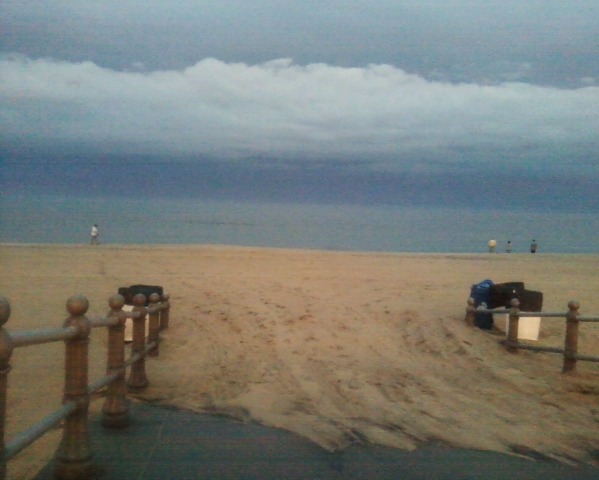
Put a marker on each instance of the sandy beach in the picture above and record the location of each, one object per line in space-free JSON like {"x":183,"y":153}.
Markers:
{"x":339,"y":347}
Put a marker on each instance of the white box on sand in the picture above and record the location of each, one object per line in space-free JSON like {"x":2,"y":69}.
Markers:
{"x":528,"y":327}
{"x":129,"y":324}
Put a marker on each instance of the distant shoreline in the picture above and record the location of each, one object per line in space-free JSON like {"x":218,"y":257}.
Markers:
{"x":220,"y":247}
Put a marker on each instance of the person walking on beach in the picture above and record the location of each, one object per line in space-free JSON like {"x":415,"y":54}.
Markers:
{"x":94,"y":236}
{"x":533,"y":246}
{"x":492,"y":244}
{"x":508,"y":247}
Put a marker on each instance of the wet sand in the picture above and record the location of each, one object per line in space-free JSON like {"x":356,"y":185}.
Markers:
{"x":339,"y":347}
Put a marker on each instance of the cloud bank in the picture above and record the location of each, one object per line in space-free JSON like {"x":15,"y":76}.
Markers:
{"x":379,"y":114}
{"x":546,"y":42}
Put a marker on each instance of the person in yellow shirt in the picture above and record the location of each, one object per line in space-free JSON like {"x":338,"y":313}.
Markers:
{"x":492,"y":244}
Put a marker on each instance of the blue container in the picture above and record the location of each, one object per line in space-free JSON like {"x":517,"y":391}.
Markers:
{"x":481,"y":293}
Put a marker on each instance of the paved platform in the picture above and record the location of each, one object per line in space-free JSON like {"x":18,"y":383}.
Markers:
{"x":169,"y":444}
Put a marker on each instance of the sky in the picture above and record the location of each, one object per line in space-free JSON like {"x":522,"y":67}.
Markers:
{"x":420,"y":102}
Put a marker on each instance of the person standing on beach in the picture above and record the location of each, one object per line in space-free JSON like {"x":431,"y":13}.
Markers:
{"x":508,"y":247}
{"x":533,"y":246}
{"x":94,"y":236}
{"x":492,"y":244}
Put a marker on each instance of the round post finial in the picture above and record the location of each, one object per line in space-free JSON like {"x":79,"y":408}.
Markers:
{"x":154,"y":298}
{"x":139,"y":300}
{"x":514,"y":303}
{"x":573,"y":305}
{"x":116,"y":302}
{"x":77,"y":305}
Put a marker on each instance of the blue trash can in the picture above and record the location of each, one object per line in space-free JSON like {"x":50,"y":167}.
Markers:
{"x":481,"y":293}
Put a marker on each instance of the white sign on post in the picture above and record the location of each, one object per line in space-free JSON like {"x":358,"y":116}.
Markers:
{"x":528,"y":327}
{"x":129,"y":324}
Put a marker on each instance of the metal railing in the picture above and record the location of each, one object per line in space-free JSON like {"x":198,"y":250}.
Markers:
{"x":512,"y":344}
{"x":73,"y":458}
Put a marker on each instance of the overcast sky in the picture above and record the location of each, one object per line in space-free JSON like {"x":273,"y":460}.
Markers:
{"x":415,"y":87}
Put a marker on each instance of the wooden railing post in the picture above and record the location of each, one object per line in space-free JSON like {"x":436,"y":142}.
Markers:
{"x":470,"y":309}
{"x":137,"y":376}
{"x":571,"y":341}
{"x":116,"y":406}
{"x":512,"y":336}
{"x":5,"y":354}
{"x":153,"y":335}
{"x":74,"y":456}
{"x":165,"y":312}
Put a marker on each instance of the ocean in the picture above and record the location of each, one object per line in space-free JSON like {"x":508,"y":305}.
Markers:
{"x":382,"y":228}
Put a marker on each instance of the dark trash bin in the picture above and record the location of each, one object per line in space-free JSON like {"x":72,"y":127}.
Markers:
{"x":481,"y":293}
{"x":501,"y":294}
{"x":531,"y":301}
{"x":129,"y":292}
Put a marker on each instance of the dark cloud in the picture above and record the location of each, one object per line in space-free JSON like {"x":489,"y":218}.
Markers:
{"x":58,"y":171}
{"x":459,"y":40}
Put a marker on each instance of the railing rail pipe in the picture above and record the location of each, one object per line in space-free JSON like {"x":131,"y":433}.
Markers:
{"x":107,"y":321}
{"x":28,"y":436}
{"x":588,"y":358}
{"x":25,"y":338}
{"x":134,"y":358}
{"x":538,"y":348}
{"x":102,"y":382}
{"x":544,"y":314}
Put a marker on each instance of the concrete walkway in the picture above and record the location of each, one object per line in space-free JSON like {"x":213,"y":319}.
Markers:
{"x":168,"y":444}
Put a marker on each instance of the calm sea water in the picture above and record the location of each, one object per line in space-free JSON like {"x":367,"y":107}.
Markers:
{"x":55,"y":219}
